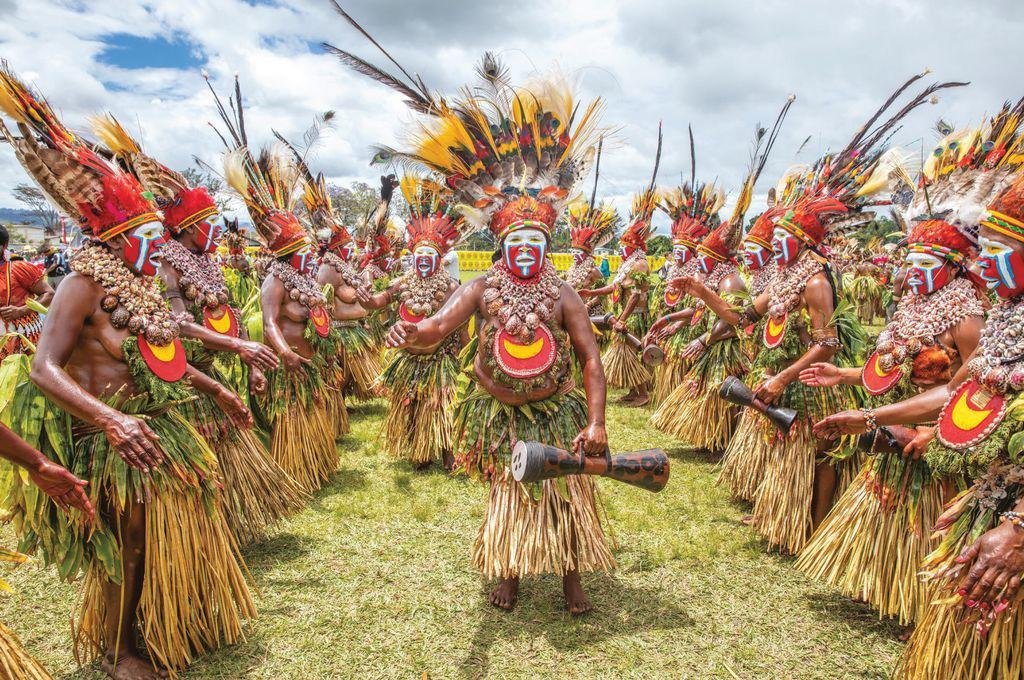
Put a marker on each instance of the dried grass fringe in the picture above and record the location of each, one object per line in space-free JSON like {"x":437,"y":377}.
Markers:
{"x":667,"y":377}
{"x":523,"y":536}
{"x":337,"y":411}
{"x":15,"y":662}
{"x":945,"y":645}
{"x":622,"y":365}
{"x":302,"y":441}
{"x":872,"y":553}
{"x":782,"y":506}
{"x":695,"y":414}
{"x":418,"y":425}
{"x":195,"y":597}
{"x":362,"y":366}
{"x":747,"y":455}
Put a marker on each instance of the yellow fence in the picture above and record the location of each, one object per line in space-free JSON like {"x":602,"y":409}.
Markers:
{"x":480,"y":260}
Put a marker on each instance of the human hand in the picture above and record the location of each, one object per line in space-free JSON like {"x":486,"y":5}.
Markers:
{"x":257,"y":355}
{"x":917,"y":446}
{"x":234,"y":408}
{"x":134,"y":441}
{"x":293,"y":361}
{"x":402,"y":334}
{"x":770,"y":390}
{"x":257,"y":381}
{"x":821,"y":374}
{"x":998,"y":557}
{"x":838,"y":424}
{"x":65,"y":489}
{"x":593,"y":439}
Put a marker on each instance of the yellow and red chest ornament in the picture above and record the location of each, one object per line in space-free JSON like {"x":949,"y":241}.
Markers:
{"x":320,"y":320}
{"x":420,"y":296}
{"x":970,"y":416}
{"x":221,"y":319}
{"x":406,"y":315}
{"x":525,"y":360}
{"x":774,"y":331}
{"x":877,"y":380}
{"x":167,"y":362}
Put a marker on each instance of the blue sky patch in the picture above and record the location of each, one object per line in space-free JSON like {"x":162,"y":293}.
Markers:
{"x":129,"y":51}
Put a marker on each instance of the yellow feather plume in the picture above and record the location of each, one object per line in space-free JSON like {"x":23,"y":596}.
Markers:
{"x":113,"y":135}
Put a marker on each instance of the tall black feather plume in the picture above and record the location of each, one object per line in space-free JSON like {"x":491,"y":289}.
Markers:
{"x":693,"y":165}
{"x":657,"y":161}
{"x":413,"y":98}
{"x":597,"y":172}
{"x":871,"y":121}
{"x":910,"y":106}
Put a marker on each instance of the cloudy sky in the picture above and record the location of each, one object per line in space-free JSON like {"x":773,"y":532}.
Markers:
{"x":720,"y":65}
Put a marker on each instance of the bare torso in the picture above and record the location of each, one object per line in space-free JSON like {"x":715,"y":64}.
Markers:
{"x":291,"y":316}
{"x":344,"y":307}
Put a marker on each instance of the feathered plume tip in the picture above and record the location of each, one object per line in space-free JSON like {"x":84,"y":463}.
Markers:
{"x":99,"y":195}
{"x":694,"y":212}
{"x":590,"y":226}
{"x":434,"y":220}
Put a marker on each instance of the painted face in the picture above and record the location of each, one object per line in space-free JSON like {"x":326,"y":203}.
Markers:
{"x":755,"y":256}
{"x":347,"y":251}
{"x":1002,"y":267}
{"x":523,"y":251}
{"x":927,"y":273}
{"x":208,"y":235}
{"x":303,"y":260}
{"x":426,"y":259}
{"x":705,"y":262}
{"x":626,"y":251}
{"x":681,"y":254}
{"x":578,"y":256}
{"x":785,"y":246}
{"x":142,"y":246}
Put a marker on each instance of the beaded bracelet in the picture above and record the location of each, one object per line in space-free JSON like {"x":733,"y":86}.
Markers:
{"x":869,"y":418}
{"x":1014,"y":518}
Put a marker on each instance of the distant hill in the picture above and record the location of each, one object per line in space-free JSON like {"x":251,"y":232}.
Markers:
{"x":19,"y":216}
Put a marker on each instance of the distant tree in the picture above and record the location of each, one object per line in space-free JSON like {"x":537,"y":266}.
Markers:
{"x":199,"y":176}
{"x":659,"y":245}
{"x":33,"y":197}
{"x":353,"y":202}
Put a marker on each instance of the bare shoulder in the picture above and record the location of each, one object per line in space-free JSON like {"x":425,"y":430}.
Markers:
{"x":819,"y":284}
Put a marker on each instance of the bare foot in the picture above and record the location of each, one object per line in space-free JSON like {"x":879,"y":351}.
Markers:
{"x":506,"y":594}
{"x":640,"y":400}
{"x":627,"y":397}
{"x":907,"y":632}
{"x":748,"y":520}
{"x":420,"y":467}
{"x":131,"y":667}
{"x":575,"y":599}
{"x":448,"y":460}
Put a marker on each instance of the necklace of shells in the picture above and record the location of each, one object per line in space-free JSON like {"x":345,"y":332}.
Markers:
{"x":200,"y":279}
{"x":343,"y":267}
{"x":579,"y":273}
{"x":424,"y":296}
{"x":627,"y":266}
{"x":721,"y":271}
{"x":301,"y":288}
{"x":762,"y":278}
{"x":919,"y":319}
{"x":998,"y":363}
{"x":521,"y":305}
{"x":133,"y":302}
{"x":789,"y":284}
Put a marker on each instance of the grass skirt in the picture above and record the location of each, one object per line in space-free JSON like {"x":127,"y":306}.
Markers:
{"x":747,"y":455}
{"x":337,"y":411}
{"x":360,"y":359}
{"x":872,"y":551}
{"x":302,"y":434}
{"x":670,"y":373}
{"x":418,"y":426}
{"x":257,"y":492}
{"x":15,"y":662}
{"x":552,"y":526}
{"x":945,"y":645}
{"x":622,"y":365}
{"x":782,"y":505}
{"x":693,"y":412}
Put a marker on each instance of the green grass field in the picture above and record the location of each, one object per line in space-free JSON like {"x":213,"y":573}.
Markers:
{"x":373,"y":580}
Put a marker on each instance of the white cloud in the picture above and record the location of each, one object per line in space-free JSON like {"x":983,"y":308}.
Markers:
{"x":719,"y":66}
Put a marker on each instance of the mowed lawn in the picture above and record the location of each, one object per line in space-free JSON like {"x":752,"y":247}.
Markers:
{"x":373,"y":580}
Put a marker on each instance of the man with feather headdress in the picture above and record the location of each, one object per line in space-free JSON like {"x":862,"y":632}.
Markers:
{"x":512,"y":156}
{"x":160,"y":564}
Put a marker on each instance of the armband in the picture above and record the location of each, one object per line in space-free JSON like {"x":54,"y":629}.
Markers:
{"x":825,"y":337}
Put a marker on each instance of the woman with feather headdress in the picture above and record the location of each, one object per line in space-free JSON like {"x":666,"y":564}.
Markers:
{"x":590,"y":227}
{"x":421,"y":380}
{"x":257,"y":491}
{"x":693,"y":412}
{"x":296,"y":320}
{"x":161,"y":566}
{"x":802,"y":323}
{"x":512,"y":156}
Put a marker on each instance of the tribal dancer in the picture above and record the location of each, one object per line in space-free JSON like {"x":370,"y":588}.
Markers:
{"x":629,"y":292}
{"x":67,"y":492}
{"x":513,"y":158}
{"x":590,"y":226}
{"x":874,"y":540}
{"x":693,"y":412}
{"x":421,"y":381}
{"x":20,"y":281}
{"x":257,"y":491}
{"x":161,"y":564}
{"x":296,"y":322}
{"x":689,"y":211}
{"x":802,"y":324}
{"x":973,"y":625}
{"x":360,"y":333}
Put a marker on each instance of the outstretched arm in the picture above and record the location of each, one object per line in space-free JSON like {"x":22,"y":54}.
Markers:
{"x":455,"y":312}
{"x":722,"y":309}
{"x":367,"y":300}
{"x":272,"y":296}
{"x":594,"y":438}
{"x":64,"y":488}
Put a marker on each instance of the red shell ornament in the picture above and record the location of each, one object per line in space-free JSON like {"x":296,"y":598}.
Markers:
{"x":321,"y":321}
{"x":221,"y":320}
{"x":876,"y":379}
{"x":774,"y":331}
{"x":525,"y":360}
{"x":166,"y":362}
{"x":405,"y":315}
{"x":970,"y":415}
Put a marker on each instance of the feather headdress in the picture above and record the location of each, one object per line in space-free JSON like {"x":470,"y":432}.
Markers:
{"x":963,"y":176}
{"x":638,"y":230}
{"x":433,"y":219}
{"x":512,"y":154}
{"x":104,"y":199}
{"x":721,"y":243}
{"x":839,"y":188}
{"x":183,"y":206}
{"x":267,"y":184}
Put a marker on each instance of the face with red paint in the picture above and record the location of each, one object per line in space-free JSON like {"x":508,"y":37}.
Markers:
{"x":302,"y":260}
{"x":523,"y":251}
{"x":927,"y":273}
{"x":705,"y":262}
{"x":579,"y":256}
{"x":141,"y":247}
{"x":426,"y":260}
{"x":681,"y":254}
{"x":208,"y":235}
{"x":1001,"y":263}
{"x":785,"y":246}
{"x":755,"y":256}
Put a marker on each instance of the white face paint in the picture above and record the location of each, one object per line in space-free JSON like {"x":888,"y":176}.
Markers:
{"x":426,"y":259}
{"x":524,"y":251}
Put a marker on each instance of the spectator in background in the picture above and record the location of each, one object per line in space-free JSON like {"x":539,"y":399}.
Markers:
{"x":19,"y":280}
{"x":56,"y":264}
{"x":604,"y":267}
{"x":451,"y":263}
